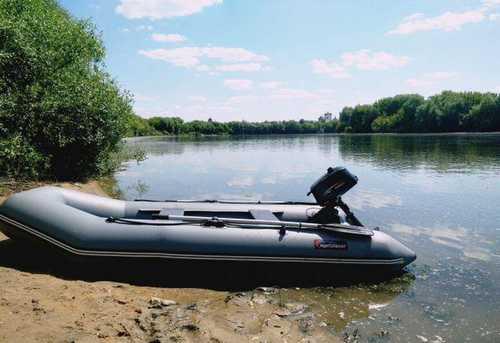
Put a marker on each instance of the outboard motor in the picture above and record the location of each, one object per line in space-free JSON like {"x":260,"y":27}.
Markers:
{"x":336,"y":182}
{"x":329,"y":188}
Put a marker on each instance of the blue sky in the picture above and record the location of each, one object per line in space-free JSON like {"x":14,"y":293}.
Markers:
{"x":287,"y":59}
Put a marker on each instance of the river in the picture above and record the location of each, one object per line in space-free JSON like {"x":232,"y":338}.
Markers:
{"x":438,"y":194}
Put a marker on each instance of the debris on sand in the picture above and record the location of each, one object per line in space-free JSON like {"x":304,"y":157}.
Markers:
{"x":159,"y":303}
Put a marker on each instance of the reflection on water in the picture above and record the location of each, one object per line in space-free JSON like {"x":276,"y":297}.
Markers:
{"x":458,"y":238}
{"x":439,"y":194}
{"x":372,"y":199}
{"x":460,"y":153}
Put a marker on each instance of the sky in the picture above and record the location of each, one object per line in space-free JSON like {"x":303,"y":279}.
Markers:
{"x":259,"y":60}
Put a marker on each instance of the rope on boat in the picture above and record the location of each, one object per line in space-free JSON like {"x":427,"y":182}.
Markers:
{"x":235,"y":202}
{"x":139,"y":222}
{"x":245,"y":223}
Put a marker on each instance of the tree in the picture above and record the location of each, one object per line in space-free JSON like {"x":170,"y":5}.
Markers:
{"x":445,"y":112}
{"x":397,"y":114}
{"x":426,"y":117}
{"x":56,"y":100}
{"x":486,"y":115}
{"x":137,"y":126}
{"x":345,"y":118}
{"x":362,"y":117}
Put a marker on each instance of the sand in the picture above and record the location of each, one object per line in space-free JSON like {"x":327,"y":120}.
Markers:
{"x":46,"y":298}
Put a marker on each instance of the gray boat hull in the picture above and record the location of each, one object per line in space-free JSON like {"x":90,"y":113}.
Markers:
{"x":77,"y":223}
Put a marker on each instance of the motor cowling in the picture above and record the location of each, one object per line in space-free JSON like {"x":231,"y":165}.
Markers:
{"x":329,"y":187}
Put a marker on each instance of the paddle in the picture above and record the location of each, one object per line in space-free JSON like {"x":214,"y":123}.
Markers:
{"x":218,"y":221}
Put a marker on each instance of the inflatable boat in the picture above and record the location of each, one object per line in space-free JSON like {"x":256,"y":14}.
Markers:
{"x":301,"y":233}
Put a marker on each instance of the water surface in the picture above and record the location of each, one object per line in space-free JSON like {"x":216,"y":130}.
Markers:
{"x":439,"y":194}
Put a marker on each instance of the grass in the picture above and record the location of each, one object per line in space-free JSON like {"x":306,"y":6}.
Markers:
{"x":9,"y":186}
{"x":110,"y":186}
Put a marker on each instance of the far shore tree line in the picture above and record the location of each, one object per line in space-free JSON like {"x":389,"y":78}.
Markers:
{"x":408,"y":113}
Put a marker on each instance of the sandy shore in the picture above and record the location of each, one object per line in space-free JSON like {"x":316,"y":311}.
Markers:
{"x":45,"y":298}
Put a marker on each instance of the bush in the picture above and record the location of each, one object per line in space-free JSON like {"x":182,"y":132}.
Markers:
{"x":19,"y":159}
{"x":124,"y":153}
{"x":56,"y":100}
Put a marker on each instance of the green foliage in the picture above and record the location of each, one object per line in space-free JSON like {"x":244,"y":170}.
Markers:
{"x":345,"y":119}
{"x":384,"y":123}
{"x":167,"y":125}
{"x":362,"y":117}
{"x":396,"y":114}
{"x":55,"y":97}
{"x":445,"y":112}
{"x":123,"y":154}
{"x":19,"y":159}
{"x":176,"y":126}
{"x":137,"y":126}
{"x":484,"y":115}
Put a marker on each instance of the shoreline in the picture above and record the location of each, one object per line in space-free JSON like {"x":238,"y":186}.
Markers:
{"x":412,"y":134}
{"x":46,"y":298}
{"x":105,"y":186}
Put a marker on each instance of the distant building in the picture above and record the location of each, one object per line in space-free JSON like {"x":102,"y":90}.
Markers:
{"x":326,"y":117}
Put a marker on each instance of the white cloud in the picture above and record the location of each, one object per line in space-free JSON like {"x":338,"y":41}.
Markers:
{"x":233,"y":54}
{"x":448,"y":21}
{"x":203,"y":67}
{"x":278,"y":95}
{"x":170,"y":38}
{"x":367,"y":60}
{"x":269,"y":180}
{"x":238,"y":84}
{"x":181,"y":57}
{"x":332,"y":69}
{"x":494,"y":16}
{"x":158,"y":9}
{"x":491,"y":3}
{"x":197,"y":98}
{"x":190,"y":57}
{"x":277,"y":104}
{"x":280,"y":104}
{"x":241,"y":181}
{"x":291,"y":93}
{"x":239,"y":100}
{"x":246,"y":67}
{"x":362,"y":59}
{"x":144,"y":28}
{"x":430,"y":79}
{"x":271,"y":84}
{"x":139,"y":28}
